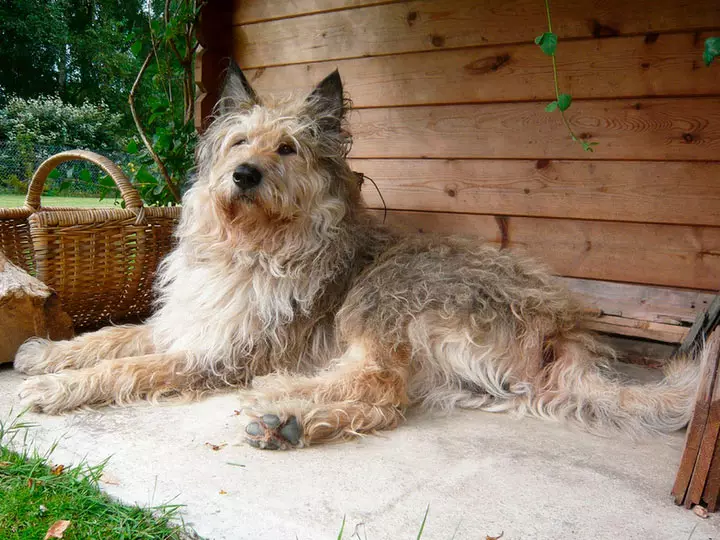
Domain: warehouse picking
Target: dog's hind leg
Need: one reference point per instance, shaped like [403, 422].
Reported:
[116, 381]
[364, 392]
[37, 355]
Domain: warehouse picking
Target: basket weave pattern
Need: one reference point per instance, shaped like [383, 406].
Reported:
[100, 261]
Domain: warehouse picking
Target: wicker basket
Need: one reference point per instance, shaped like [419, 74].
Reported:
[101, 261]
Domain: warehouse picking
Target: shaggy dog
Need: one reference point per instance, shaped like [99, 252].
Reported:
[280, 272]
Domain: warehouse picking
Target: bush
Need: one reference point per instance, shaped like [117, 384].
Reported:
[49, 121]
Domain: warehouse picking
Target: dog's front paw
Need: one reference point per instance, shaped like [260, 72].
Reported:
[270, 432]
[31, 357]
[46, 393]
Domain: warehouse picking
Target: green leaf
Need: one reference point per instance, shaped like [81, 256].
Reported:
[158, 189]
[144, 176]
[85, 175]
[106, 181]
[136, 48]
[132, 147]
[564, 101]
[547, 42]
[550, 107]
[64, 186]
[712, 50]
[588, 146]
[54, 174]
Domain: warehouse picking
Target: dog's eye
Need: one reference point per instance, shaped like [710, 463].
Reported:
[285, 149]
[240, 142]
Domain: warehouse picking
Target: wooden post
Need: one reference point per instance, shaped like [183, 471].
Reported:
[28, 308]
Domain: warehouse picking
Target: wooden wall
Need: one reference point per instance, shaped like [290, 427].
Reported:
[449, 119]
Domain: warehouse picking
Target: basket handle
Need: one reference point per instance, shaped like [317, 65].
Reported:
[129, 194]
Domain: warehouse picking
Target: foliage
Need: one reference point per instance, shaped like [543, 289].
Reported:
[547, 41]
[712, 50]
[47, 120]
[164, 148]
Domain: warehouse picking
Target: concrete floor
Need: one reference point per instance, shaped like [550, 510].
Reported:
[481, 474]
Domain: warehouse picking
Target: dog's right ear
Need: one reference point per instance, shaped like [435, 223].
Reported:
[237, 92]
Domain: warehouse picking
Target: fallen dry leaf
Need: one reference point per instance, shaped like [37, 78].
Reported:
[57, 529]
[223, 492]
[57, 470]
[4, 464]
[700, 511]
[107, 478]
[216, 447]
[237, 413]
[488, 537]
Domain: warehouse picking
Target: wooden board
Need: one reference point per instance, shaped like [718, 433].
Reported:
[245, 11]
[608, 68]
[696, 428]
[641, 302]
[652, 129]
[430, 25]
[609, 324]
[709, 438]
[679, 192]
[671, 255]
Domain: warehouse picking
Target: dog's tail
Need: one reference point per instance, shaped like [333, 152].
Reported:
[580, 385]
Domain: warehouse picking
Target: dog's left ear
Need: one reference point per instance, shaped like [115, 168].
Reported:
[326, 102]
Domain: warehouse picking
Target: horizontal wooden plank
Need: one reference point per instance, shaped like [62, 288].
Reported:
[666, 333]
[640, 351]
[641, 302]
[671, 255]
[424, 25]
[645, 191]
[245, 11]
[608, 68]
[652, 129]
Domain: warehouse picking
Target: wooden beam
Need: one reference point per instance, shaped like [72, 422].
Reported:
[644, 129]
[424, 25]
[677, 192]
[611, 68]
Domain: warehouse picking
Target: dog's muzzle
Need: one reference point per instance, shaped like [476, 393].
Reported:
[247, 177]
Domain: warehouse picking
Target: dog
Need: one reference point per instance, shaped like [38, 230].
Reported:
[281, 280]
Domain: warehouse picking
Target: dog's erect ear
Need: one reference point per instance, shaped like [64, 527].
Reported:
[237, 92]
[326, 102]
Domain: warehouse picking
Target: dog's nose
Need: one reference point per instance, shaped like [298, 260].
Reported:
[246, 176]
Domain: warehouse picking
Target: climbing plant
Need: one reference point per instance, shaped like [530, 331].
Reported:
[547, 41]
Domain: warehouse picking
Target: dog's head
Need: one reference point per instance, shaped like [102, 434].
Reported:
[268, 164]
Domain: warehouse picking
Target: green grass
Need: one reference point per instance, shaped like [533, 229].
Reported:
[33, 497]
[13, 201]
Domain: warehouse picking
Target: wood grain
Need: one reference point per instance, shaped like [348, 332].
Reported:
[641, 302]
[710, 434]
[696, 428]
[667, 333]
[245, 11]
[652, 129]
[670, 255]
[608, 68]
[425, 25]
[677, 192]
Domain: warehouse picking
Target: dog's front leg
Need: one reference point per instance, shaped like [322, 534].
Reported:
[115, 381]
[366, 391]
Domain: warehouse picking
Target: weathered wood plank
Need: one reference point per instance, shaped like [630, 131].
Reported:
[667, 333]
[677, 192]
[696, 429]
[671, 255]
[431, 25]
[652, 129]
[249, 11]
[641, 302]
[608, 68]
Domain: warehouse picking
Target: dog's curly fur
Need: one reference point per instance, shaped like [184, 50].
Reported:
[348, 322]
